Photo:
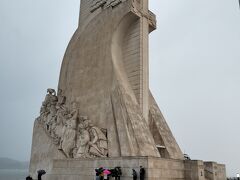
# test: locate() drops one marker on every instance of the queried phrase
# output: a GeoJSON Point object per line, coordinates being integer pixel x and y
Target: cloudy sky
{"type": "Point", "coordinates": [194, 71]}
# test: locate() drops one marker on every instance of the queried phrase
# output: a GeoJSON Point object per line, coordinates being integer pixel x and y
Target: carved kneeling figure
{"type": "Point", "coordinates": [83, 142]}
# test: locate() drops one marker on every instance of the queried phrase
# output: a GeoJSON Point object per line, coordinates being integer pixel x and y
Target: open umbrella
{"type": "Point", "coordinates": [106, 172]}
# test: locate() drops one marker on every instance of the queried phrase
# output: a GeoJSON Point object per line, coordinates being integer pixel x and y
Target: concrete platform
{"type": "Point", "coordinates": [84, 169]}
{"type": "Point", "coordinates": [156, 168]}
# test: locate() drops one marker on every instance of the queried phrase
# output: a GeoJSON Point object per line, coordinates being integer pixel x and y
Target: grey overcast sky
{"type": "Point", "coordinates": [194, 71]}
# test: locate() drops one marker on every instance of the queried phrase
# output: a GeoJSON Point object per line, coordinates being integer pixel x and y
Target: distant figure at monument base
{"type": "Point", "coordinates": [103, 113]}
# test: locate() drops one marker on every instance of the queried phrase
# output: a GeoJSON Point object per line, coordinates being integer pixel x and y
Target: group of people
{"type": "Point", "coordinates": [141, 173]}
{"type": "Point", "coordinates": [75, 135]}
{"type": "Point", "coordinates": [105, 174]}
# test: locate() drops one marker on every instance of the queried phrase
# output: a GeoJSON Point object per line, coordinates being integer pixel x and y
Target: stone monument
{"type": "Point", "coordinates": [103, 113]}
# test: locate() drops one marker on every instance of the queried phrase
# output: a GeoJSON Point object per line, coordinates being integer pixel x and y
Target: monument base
{"type": "Point", "coordinates": [156, 168]}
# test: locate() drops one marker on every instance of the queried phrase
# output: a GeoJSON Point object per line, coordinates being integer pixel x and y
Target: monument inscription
{"type": "Point", "coordinates": [104, 4]}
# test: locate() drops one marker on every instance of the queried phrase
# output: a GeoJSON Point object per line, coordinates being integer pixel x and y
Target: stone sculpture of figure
{"type": "Point", "coordinates": [49, 105]}
{"type": "Point", "coordinates": [53, 114]}
{"type": "Point", "coordinates": [58, 121]}
{"type": "Point", "coordinates": [98, 143]}
{"type": "Point", "coordinates": [69, 136]}
{"type": "Point", "coordinates": [61, 120]}
{"type": "Point", "coordinates": [83, 141]}
{"type": "Point", "coordinates": [48, 113]}
{"type": "Point", "coordinates": [50, 99]}
{"type": "Point", "coordinates": [61, 124]}
{"type": "Point", "coordinates": [74, 111]}
{"type": "Point", "coordinates": [43, 114]}
{"type": "Point", "coordinates": [61, 98]}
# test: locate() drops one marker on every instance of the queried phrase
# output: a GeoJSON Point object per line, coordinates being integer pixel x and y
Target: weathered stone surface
{"type": "Point", "coordinates": [110, 77]}
{"type": "Point", "coordinates": [214, 170]}
{"type": "Point", "coordinates": [43, 151]}
{"type": "Point", "coordinates": [75, 135]}
{"type": "Point", "coordinates": [161, 132]}
{"type": "Point", "coordinates": [103, 107]}
{"type": "Point", "coordinates": [84, 168]}
{"type": "Point", "coordinates": [194, 170]}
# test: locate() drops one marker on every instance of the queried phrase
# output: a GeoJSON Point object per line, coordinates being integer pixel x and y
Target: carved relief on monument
{"type": "Point", "coordinates": [75, 135]}
{"type": "Point", "coordinates": [91, 140]}
{"type": "Point", "coordinates": [104, 4]}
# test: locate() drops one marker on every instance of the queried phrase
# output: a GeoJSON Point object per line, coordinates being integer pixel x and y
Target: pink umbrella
{"type": "Point", "coordinates": [106, 172]}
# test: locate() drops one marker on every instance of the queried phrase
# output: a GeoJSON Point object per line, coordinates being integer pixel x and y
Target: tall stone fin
{"type": "Point", "coordinates": [161, 132]}
{"type": "Point", "coordinates": [134, 135]}
{"type": "Point", "coordinates": [127, 110]}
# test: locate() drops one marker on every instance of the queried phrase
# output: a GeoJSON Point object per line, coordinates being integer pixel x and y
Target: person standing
{"type": "Point", "coordinates": [40, 174]}
{"type": "Point", "coordinates": [142, 173]}
{"type": "Point", "coordinates": [134, 173]}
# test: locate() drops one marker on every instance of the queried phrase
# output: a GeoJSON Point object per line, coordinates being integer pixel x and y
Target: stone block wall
{"type": "Point", "coordinates": [214, 171]}
{"type": "Point", "coordinates": [156, 168]}
{"type": "Point", "coordinates": [194, 170]}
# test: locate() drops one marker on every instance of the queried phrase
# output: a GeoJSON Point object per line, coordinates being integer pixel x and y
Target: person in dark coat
{"type": "Point", "coordinates": [29, 178]}
{"type": "Point", "coordinates": [142, 173]}
{"type": "Point", "coordinates": [134, 173]}
{"type": "Point", "coordinates": [40, 173]}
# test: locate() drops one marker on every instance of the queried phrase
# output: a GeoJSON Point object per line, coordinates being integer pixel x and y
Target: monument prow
{"type": "Point", "coordinates": [104, 113]}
